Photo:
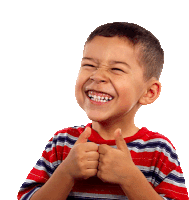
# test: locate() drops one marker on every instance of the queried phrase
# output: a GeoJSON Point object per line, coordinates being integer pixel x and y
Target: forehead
{"type": "Point", "coordinates": [106, 49]}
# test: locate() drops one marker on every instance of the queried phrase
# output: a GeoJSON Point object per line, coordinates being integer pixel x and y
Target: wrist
{"type": "Point", "coordinates": [64, 172]}
{"type": "Point", "coordinates": [138, 187]}
{"type": "Point", "coordinates": [130, 177]}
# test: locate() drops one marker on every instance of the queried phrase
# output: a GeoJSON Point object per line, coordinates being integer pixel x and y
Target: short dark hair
{"type": "Point", "coordinates": [151, 55]}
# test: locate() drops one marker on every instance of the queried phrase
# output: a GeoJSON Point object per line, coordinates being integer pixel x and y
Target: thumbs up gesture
{"type": "Point", "coordinates": [82, 161]}
{"type": "Point", "coordinates": [115, 165]}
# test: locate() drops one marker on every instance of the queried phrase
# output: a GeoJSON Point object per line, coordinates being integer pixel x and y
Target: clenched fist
{"type": "Point", "coordinates": [82, 161]}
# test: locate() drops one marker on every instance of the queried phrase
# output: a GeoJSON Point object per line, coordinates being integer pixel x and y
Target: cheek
{"type": "Point", "coordinates": [78, 88]}
{"type": "Point", "coordinates": [123, 88]}
{"type": "Point", "coordinates": [127, 96]}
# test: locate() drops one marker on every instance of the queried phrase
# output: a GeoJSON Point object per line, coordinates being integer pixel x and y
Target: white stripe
{"type": "Point", "coordinates": [152, 169]}
{"type": "Point", "coordinates": [162, 176]}
{"type": "Point", "coordinates": [59, 143]}
{"type": "Point", "coordinates": [94, 195]}
{"type": "Point", "coordinates": [159, 149]}
{"type": "Point", "coordinates": [76, 127]}
{"type": "Point", "coordinates": [30, 181]}
{"type": "Point", "coordinates": [173, 182]}
{"type": "Point", "coordinates": [43, 168]}
{"type": "Point", "coordinates": [155, 140]}
{"type": "Point", "coordinates": [31, 193]}
{"type": "Point", "coordinates": [177, 174]}
{"type": "Point", "coordinates": [65, 135]}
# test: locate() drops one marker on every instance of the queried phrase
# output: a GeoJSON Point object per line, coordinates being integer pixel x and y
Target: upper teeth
{"type": "Point", "coordinates": [99, 98]}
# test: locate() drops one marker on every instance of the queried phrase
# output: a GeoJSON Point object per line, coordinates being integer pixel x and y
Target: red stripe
{"type": "Point", "coordinates": [39, 176]}
{"type": "Point", "coordinates": [58, 153]}
{"type": "Point", "coordinates": [95, 185]}
{"type": "Point", "coordinates": [172, 191]}
{"type": "Point", "coordinates": [156, 159]}
{"type": "Point", "coordinates": [72, 131]}
{"type": "Point", "coordinates": [20, 194]}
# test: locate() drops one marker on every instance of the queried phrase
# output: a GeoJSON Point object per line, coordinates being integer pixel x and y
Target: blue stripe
{"type": "Point", "coordinates": [150, 174]}
{"type": "Point", "coordinates": [88, 198]}
{"type": "Point", "coordinates": [175, 178]}
{"type": "Point", "coordinates": [153, 176]}
{"type": "Point", "coordinates": [154, 145]}
{"type": "Point", "coordinates": [26, 185]}
{"type": "Point", "coordinates": [94, 196]}
{"type": "Point", "coordinates": [27, 195]}
{"type": "Point", "coordinates": [61, 139]}
{"type": "Point", "coordinates": [46, 167]}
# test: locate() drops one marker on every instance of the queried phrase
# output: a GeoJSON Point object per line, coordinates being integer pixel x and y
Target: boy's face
{"type": "Point", "coordinates": [110, 81]}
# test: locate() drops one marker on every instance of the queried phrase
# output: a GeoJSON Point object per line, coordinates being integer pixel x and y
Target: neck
{"type": "Point", "coordinates": [106, 129]}
{"type": "Point", "coordinates": [125, 122]}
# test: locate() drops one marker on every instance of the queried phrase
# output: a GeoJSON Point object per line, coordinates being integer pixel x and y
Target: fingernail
{"type": "Point", "coordinates": [120, 133]}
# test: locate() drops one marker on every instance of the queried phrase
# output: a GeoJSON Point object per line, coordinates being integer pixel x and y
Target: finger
{"type": "Point", "coordinates": [84, 136]}
{"type": "Point", "coordinates": [92, 156]}
{"type": "Point", "coordinates": [91, 172]}
{"type": "Point", "coordinates": [92, 164]}
{"type": "Point", "coordinates": [120, 142]}
{"type": "Point", "coordinates": [100, 160]}
{"type": "Point", "coordinates": [103, 148]}
{"type": "Point", "coordinates": [90, 146]}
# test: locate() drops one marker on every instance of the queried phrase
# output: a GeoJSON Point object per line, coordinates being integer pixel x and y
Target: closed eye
{"type": "Point", "coordinates": [117, 69]}
{"type": "Point", "coordinates": [88, 65]}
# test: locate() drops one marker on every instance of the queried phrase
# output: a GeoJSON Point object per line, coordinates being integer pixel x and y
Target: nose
{"type": "Point", "coordinates": [100, 75]}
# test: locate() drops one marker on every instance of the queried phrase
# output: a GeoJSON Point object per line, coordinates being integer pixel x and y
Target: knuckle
{"type": "Point", "coordinates": [99, 175]}
{"type": "Point", "coordinates": [83, 173]}
{"type": "Point", "coordinates": [95, 172]}
{"type": "Point", "coordinates": [97, 156]}
{"type": "Point", "coordinates": [96, 164]}
{"type": "Point", "coordinates": [93, 146]}
{"type": "Point", "coordinates": [81, 166]}
{"type": "Point", "coordinates": [77, 156]}
{"type": "Point", "coordinates": [79, 147]}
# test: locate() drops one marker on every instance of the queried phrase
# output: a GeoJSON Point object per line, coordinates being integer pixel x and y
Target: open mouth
{"type": "Point", "coordinates": [99, 96]}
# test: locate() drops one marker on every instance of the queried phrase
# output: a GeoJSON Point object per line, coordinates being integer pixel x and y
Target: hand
{"type": "Point", "coordinates": [115, 165]}
{"type": "Point", "coordinates": [82, 161]}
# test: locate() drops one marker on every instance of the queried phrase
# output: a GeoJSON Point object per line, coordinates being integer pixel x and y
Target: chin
{"type": "Point", "coordinates": [97, 118]}
{"type": "Point", "coordinates": [100, 119]}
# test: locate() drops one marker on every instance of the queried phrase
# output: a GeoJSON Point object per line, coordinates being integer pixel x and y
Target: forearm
{"type": "Point", "coordinates": [138, 187]}
{"type": "Point", "coordinates": [57, 187]}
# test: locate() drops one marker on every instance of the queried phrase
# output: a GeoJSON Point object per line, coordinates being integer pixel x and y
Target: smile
{"type": "Point", "coordinates": [99, 96]}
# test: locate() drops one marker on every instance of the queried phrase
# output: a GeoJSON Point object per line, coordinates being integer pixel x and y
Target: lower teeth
{"type": "Point", "coordinates": [99, 100]}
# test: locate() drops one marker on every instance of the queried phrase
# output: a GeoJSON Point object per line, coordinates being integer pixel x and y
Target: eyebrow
{"type": "Point", "coordinates": [92, 59]}
{"type": "Point", "coordinates": [121, 62]}
{"type": "Point", "coordinates": [111, 62]}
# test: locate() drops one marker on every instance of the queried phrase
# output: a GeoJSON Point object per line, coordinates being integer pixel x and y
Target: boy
{"type": "Point", "coordinates": [111, 158]}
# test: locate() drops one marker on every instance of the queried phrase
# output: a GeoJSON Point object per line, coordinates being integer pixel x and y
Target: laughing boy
{"type": "Point", "coordinates": [111, 158]}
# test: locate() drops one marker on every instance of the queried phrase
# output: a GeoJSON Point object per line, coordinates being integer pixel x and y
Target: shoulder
{"type": "Point", "coordinates": [156, 138]}
{"type": "Point", "coordinates": [157, 151]}
{"type": "Point", "coordinates": [159, 139]}
{"type": "Point", "coordinates": [59, 146]}
{"type": "Point", "coordinates": [156, 142]}
{"type": "Point", "coordinates": [66, 136]}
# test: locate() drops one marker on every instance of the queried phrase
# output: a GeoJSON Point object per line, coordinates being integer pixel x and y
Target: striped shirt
{"type": "Point", "coordinates": [151, 152]}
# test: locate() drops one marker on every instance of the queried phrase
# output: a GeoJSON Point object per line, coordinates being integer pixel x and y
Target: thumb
{"type": "Point", "coordinates": [120, 142]}
{"type": "Point", "coordinates": [84, 136]}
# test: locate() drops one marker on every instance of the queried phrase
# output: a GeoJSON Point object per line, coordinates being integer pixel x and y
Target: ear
{"type": "Point", "coordinates": [152, 92]}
